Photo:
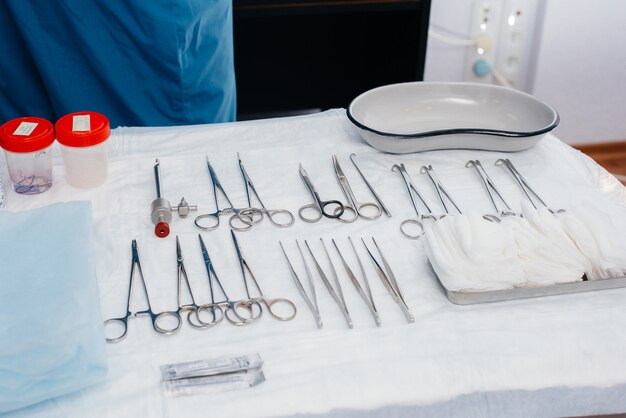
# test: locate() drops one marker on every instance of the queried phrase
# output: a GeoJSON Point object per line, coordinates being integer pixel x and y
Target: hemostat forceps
{"type": "Point", "coordinates": [491, 186]}
{"type": "Point", "coordinates": [155, 317]}
{"type": "Point", "coordinates": [389, 281]}
{"type": "Point", "coordinates": [271, 213]}
{"type": "Point", "coordinates": [441, 191]}
{"type": "Point", "coordinates": [310, 301]}
{"type": "Point", "coordinates": [356, 208]}
{"type": "Point", "coordinates": [367, 297]}
{"type": "Point", "coordinates": [369, 186]}
{"type": "Point", "coordinates": [214, 217]}
{"type": "Point", "coordinates": [318, 206]}
{"type": "Point", "coordinates": [523, 184]}
{"type": "Point", "coordinates": [412, 190]}
{"type": "Point", "coordinates": [338, 294]}
{"type": "Point", "coordinates": [228, 305]}
{"type": "Point", "coordinates": [269, 303]}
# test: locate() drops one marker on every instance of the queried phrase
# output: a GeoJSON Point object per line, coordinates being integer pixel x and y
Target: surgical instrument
{"type": "Point", "coordinates": [523, 184]}
{"type": "Point", "coordinates": [356, 208]}
{"type": "Point", "coordinates": [122, 321]}
{"type": "Point", "coordinates": [491, 186]}
{"type": "Point", "coordinates": [337, 294]}
{"type": "Point", "coordinates": [369, 186]}
{"type": "Point", "coordinates": [412, 190]}
{"type": "Point", "coordinates": [190, 308]}
{"type": "Point", "coordinates": [269, 303]}
{"type": "Point", "coordinates": [271, 213]}
{"type": "Point", "coordinates": [367, 297]}
{"type": "Point", "coordinates": [389, 281]}
{"type": "Point", "coordinates": [441, 190]}
{"type": "Point", "coordinates": [162, 210]}
{"type": "Point", "coordinates": [318, 206]}
{"type": "Point", "coordinates": [214, 217]}
{"type": "Point", "coordinates": [227, 305]}
{"type": "Point", "coordinates": [310, 301]}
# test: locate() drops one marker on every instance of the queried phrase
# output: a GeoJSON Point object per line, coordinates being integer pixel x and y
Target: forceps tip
{"type": "Point", "coordinates": [501, 161]}
{"type": "Point", "coordinates": [470, 163]}
{"type": "Point", "coordinates": [424, 169]}
{"type": "Point", "coordinates": [395, 168]}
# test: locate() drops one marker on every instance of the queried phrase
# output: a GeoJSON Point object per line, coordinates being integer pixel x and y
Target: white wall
{"type": "Point", "coordinates": [577, 62]}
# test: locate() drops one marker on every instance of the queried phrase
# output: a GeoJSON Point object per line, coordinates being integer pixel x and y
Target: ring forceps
{"type": "Point", "coordinates": [271, 213]}
{"type": "Point", "coordinates": [214, 217]}
{"type": "Point", "coordinates": [389, 281]}
{"type": "Point", "coordinates": [489, 186]}
{"type": "Point", "coordinates": [310, 301]}
{"type": "Point", "coordinates": [338, 294]}
{"type": "Point", "coordinates": [155, 317]}
{"type": "Point", "coordinates": [357, 209]}
{"type": "Point", "coordinates": [412, 190]}
{"type": "Point", "coordinates": [369, 186]}
{"type": "Point", "coordinates": [318, 206]}
{"type": "Point", "coordinates": [228, 305]}
{"type": "Point", "coordinates": [441, 190]}
{"type": "Point", "coordinates": [269, 303]}
{"type": "Point", "coordinates": [367, 297]}
{"type": "Point", "coordinates": [523, 184]}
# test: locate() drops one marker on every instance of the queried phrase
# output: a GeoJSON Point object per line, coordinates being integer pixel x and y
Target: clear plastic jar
{"type": "Point", "coordinates": [83, 136]}
{"type": "Point", "coordinates": [26, 143]}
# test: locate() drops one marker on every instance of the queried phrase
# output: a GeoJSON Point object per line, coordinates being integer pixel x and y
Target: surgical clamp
{"type": "Point", "coordinates": [356, 208]}
{"type": "Point", "coordinates": [441, 190]}
{"type": "Point", "coordinates": [269, 303]}
{"type": "Point", "coordinates": [491, 186]}
{"type": "Point", "coordinates": [271, 213]}
{"type": "Point", "coordinates": [523, 184]}
{"type": "Point", "coordinates": [318, 206]}
{"type": "Point", "coordinates": [310, 301]}
{"type": "Point", "coordinates": [389, 281]}
{"type": "Point", "coordinates": [236, 212]}
{"type": "Point", "coordinates": [155, 317]}
{"type": "Point", "coordinates": [412, 190]}
{"type": "Point", "coordinates": [369, 186]}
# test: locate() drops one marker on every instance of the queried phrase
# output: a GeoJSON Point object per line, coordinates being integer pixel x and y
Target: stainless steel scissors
{"type": "Point", "coordinates": [412, 190]}
{"type": "Point", "coordinates": [318, 206]}
{"type": "Point", "coordinates": [491, 186]}
{"type": "Point", "coordinates": [247, 220]}
{"type": "Point", "coordinates": [273, 214]}
{"type": "Point", "coordinates": [523, 184]}
{"type": "Point", "coordinates": [228, 305]}
{"type": "Point", "coordinates": [122, 321]}
{"type": "Point", "coordinates": [357, 209]}
{"type": "Point", "coordinates": [369, 186]}
{"type": "Point", "coordinates": [269, 303]}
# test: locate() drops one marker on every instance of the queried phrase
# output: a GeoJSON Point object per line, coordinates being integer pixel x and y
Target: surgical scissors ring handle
{"type": "Point", "coordinates": [318, 205]}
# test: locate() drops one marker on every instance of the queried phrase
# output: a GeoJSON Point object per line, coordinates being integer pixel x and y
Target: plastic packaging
{"type": "Point", "coordinates": [83, 138]}
{"type": "Point", "coordinates": [210, 367]}
{"type": "Point", "coordinates": [26, 142]}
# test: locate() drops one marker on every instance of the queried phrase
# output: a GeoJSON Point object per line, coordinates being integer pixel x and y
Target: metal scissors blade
{"type": "Point", "coordinates": [353, 204]}
{"type": "Point", "coordinates": [318, 206]}
{"type": "Point", "coordinates": [369, 186]}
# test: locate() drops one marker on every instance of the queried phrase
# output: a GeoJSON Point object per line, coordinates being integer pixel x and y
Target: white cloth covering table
{"type": "Point", "coordinates": [554, 356]}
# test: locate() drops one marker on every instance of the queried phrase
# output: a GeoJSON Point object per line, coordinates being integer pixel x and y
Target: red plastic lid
{"type": "Point", "coordinates": [28, 134]}
{"type": "Point", "coordinates": [82, 129]}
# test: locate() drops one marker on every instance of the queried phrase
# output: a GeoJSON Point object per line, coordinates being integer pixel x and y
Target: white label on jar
{"type": "Point", "coordinates": [81, 123]}
{"type": "Point", "coordinates": [25, 128]}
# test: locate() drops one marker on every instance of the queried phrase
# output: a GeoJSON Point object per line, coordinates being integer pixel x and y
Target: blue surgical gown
{"type": "Point", "coordinates": [140, 62]}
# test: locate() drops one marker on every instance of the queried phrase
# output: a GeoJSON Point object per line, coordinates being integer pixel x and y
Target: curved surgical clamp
{"type": "Point", "coordinates": [412, 190]}
{"type": "Point", "coordinates": [155, 317]}
{"type": "Point", "coordinates": [491, 186]}
{"type": "Point", "coordinates": [523, 184]}
{"type": "Point", "coordinates": [236, 212]}
{"type": "Point", "coordinates": [269, 303]}
{"type": "Point", "coordinates": [353, 206]}
{"type": "Point", "coordinates": [271, 213]}
{"type": "Point", "coordinates": [318, 206]}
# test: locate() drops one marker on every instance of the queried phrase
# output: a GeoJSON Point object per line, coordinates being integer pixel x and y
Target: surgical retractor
{"type": "Point", "coordinates": [161, 209]}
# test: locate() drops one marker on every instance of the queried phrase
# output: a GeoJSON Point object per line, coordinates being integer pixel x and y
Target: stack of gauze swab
{"type": "Point", "coordinates": [470, 254]}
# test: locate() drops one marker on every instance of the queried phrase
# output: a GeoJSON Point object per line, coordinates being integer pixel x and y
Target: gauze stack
{"type": "Point", "coordinates": [470, 254]}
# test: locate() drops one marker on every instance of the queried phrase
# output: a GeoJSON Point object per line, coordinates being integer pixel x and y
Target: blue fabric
{"type": "Point", "coordinates": [141, 63]}
{"type": "Point", "coordinates": [51, 328]}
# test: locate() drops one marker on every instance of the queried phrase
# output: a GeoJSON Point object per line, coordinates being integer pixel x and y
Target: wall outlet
{"type": "Point", "coordinates": [485, 22]}
{"type": "Point", "coordinates": [513, 40]}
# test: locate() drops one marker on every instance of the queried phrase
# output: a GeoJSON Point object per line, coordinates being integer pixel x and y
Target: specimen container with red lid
{"type": "Point", "coordinates": [83, 138]}
{"type": "Point", "coordinates": [26, 142]}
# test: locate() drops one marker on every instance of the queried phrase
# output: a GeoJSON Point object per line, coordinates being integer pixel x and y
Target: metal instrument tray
{"type": "Point", "coordinates": [471, 298]}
